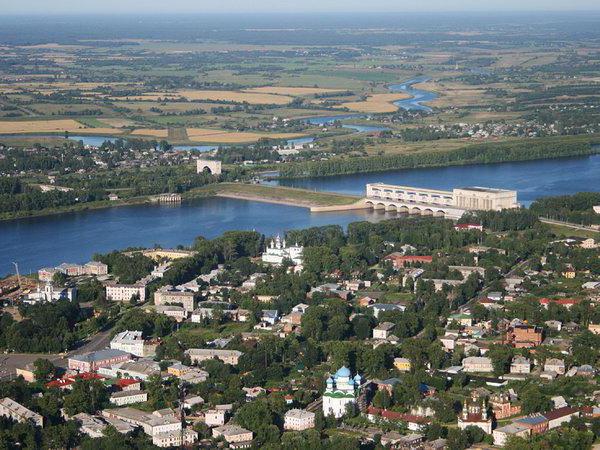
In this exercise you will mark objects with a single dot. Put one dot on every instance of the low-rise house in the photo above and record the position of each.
(46, 274)
(477, 364)
(299, 420)
(383, 330)
(133, 342)
(555, 325)
(523, 336)
(520, 364)
(215, 417)
(463, 319)
(123, 398)
(270, 316)
(378, 308)
(17, 412)
(555, 365)
(235, 435)
(503, 434)
(402, 364)
(202, 354)
(92, 361)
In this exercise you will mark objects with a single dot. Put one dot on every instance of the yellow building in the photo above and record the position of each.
(594, 328)
(570, 274)
(402, 364)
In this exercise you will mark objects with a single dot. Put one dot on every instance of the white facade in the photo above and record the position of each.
(134, 343)
(49, 293)
(299, 420)
(16, 411)
(128, 397)
(278, 251)
(124, 292)
(342, 390)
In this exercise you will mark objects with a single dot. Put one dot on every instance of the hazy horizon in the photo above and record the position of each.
(45, 7)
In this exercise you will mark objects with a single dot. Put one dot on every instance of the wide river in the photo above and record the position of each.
(74, 237)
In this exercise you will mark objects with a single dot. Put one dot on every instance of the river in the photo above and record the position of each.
(74, 237)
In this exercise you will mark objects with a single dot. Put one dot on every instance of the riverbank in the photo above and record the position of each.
(315, 201)
(486, 153)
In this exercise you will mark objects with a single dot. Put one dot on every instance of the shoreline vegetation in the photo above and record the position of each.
(489, 153)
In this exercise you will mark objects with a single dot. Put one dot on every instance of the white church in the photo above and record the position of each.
(49, 293)
(278, 251)
(342, 390)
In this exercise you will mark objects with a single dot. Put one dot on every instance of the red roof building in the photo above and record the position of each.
(566, 302)
(399, 260)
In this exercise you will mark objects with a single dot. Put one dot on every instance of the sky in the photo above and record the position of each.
(230, 6)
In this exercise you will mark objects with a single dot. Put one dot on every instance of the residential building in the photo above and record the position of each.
(477, 364)
(341, 392)
(92, 361)
(383, 330)
(123, 398)
(378, 308)
(96, 268)
(163, 426)
(168, 295)
(402, 364)
(299, 420)
(524, 336)
(202, 354)
(555, 365)
(520, 364)
(126, 292)
(133, 342)
(46, 274)
(235, 435)
(15, 411)
(503, 434)
(215, 417)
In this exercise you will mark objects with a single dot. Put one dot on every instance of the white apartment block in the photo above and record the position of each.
(134, 343)
(123, 398)
(124, 292)
(299, 420)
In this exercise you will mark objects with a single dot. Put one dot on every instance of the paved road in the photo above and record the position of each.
(10, 361)
(568, 224)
